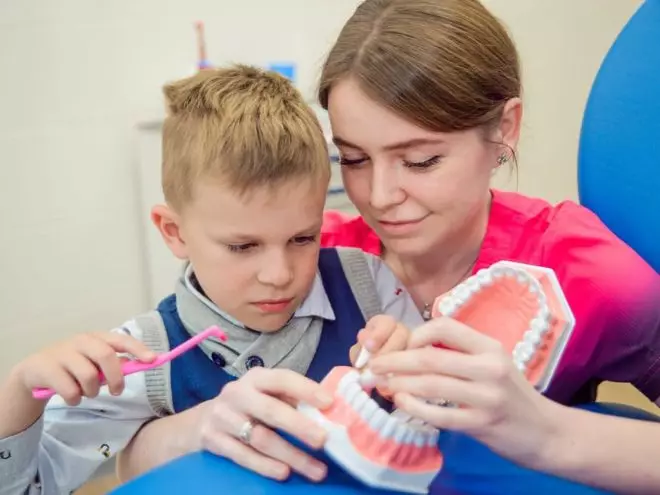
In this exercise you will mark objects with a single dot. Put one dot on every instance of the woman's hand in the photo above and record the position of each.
(267, 398)
(496, 403)
(381, 334)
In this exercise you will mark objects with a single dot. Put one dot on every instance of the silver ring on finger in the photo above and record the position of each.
(245, 433)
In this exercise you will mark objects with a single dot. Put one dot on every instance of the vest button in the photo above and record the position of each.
(253, 361)
(218, 360)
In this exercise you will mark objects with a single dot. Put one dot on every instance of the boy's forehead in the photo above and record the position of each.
(289, 207)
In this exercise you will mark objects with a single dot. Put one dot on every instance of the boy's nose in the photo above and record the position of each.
(276, 270)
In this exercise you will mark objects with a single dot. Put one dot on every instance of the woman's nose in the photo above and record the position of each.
(385, 187)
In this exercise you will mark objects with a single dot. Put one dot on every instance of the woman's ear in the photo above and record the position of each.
(509, 128)
(168, 223)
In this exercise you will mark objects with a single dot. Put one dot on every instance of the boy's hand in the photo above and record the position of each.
(72, 367)
(381, 335)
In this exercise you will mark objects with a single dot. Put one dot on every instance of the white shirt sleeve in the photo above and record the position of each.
(63, 449)
(394, 297)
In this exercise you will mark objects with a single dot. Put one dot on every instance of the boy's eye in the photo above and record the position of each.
(240, 248)
(301, 240)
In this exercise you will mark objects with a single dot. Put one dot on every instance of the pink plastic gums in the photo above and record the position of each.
(130, 367)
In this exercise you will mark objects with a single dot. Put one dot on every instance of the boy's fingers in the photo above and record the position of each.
(126, 343)
(85, 373)
(279, 415)
(60, 380)
(280, 382)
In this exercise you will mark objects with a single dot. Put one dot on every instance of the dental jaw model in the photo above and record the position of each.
(382, 450)
(521, 306)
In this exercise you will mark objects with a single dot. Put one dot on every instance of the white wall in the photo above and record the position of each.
(78, 75)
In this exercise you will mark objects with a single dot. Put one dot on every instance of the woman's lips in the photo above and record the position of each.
(400, 227)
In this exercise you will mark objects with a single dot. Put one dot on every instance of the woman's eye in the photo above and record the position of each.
(302, 240)
(240, 248)
(348, 162)
(423, 164)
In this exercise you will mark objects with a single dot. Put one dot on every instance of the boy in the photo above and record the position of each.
(245, 172)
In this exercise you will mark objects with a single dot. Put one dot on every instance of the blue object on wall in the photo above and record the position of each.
(288, 70)
(619, 158)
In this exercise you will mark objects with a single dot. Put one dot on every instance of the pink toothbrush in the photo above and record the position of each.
(130, 367)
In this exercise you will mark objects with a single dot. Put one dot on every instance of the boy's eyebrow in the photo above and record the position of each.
(244, 237)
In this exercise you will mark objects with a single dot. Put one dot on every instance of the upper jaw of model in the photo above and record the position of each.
(384, 451)
(521, 306)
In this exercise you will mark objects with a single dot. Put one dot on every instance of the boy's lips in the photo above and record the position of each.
(273, 305)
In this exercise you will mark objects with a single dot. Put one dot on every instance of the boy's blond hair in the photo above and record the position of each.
(243, 126)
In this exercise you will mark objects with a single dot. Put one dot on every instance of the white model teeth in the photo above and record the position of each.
(418, 439)
(369, 410)
(352, 392)
(347, 381)
(532, 338)
(408, 436)
(387, 431)
(432, 438)
(484, 278)
(399, 426)
(360, 400)
(378, 420)
(399, 434)
(528, 345)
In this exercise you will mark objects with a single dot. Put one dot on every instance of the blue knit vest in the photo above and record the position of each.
(195, 378)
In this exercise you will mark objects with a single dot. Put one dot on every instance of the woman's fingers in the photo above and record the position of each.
(454, 335)
(431, 360)
(454, 390)
(443, 418)
(377, 332)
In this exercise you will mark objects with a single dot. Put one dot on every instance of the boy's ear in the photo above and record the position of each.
(168, 223)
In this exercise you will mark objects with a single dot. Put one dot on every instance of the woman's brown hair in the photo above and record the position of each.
(445, 65)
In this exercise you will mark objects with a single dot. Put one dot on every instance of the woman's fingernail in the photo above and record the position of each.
(369, 345)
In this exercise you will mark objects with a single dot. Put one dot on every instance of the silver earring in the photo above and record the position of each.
(502, 159)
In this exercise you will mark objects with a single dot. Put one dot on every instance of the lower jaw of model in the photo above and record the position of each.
(382, 450)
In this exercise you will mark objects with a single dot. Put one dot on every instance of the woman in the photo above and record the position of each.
(424, 102)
